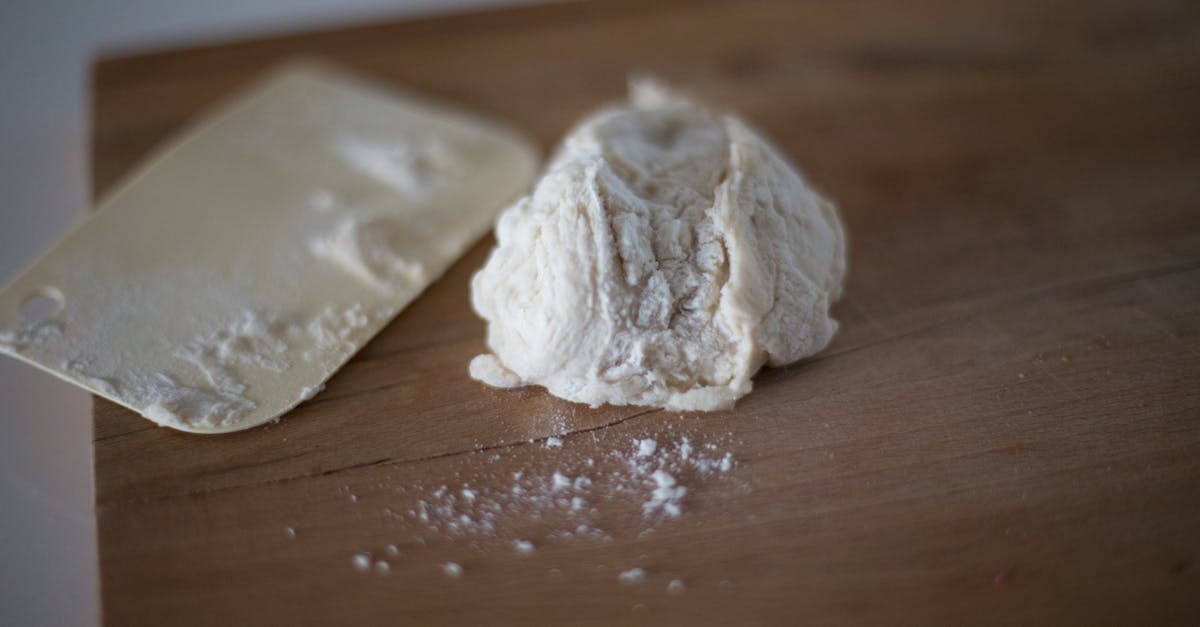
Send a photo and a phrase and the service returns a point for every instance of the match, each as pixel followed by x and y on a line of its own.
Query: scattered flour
pixel 170 403
pixel 208 390
pixel 553 442
pixel 632 576
pixel 415 169
pixel 565 496
pixel 523 547
pixel 666 496
pixel 30 334
pixel 370 250
pixel 335 329
pixel 253 339
pixel 308 392
pixel 574 493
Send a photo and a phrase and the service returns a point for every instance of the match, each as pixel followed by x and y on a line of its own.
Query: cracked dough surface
pixel 666 254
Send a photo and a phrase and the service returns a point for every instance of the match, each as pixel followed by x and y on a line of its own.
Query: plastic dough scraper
pixel 241 265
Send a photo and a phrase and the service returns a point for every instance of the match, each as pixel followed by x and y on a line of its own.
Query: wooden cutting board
pixel 1006 429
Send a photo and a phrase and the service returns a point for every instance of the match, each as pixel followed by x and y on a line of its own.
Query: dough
pixel 665 255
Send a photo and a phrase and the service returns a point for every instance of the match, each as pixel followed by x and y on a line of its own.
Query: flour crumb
pixel 666 497
pixel 553 442
pixel 382 567
pixel 468 494
pixel 560 481
pixel 452 570
pixel 632 576
pixel 646 447
pixel 523 547
pixel 685 448
pixel 362 562
pixel 393 550
pixel 290 533
pixel 310 391
pixel 675 587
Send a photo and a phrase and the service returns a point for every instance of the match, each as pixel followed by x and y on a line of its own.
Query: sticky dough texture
pixel 666 254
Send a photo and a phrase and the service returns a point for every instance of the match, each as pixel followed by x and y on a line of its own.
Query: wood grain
pixel 1005 431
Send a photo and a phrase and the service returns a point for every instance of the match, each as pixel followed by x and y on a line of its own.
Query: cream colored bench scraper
pixel 247 260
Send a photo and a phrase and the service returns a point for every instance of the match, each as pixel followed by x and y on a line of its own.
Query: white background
pixel 47 527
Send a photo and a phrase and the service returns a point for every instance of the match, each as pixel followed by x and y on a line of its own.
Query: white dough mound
pixel 667 253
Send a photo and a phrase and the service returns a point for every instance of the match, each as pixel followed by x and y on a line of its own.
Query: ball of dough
pixel 665 255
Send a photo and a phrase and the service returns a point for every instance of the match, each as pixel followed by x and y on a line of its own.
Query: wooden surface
pixel 1006 429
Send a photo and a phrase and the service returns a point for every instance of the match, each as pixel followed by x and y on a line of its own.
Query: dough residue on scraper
pixel 665 255
pixel 217 364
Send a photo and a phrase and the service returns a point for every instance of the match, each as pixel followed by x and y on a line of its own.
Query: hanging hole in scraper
pixel 41 305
